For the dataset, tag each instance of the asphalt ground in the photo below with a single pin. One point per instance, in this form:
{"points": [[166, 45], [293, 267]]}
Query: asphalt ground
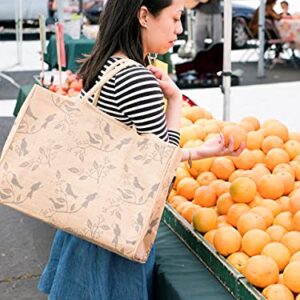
{"points": [[24, 246]]}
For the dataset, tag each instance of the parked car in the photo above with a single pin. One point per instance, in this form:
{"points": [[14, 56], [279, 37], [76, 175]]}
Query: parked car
{"points": [[241, 16]]}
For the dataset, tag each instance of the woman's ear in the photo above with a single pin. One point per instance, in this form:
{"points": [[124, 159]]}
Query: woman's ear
{"points": [[143, 15]]}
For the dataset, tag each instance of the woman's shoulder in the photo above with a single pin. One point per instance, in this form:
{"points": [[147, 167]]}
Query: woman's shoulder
{"points": [[137, 71]]}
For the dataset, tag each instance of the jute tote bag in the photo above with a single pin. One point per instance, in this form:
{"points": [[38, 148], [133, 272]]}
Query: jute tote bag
{"points": [[72, 166]]}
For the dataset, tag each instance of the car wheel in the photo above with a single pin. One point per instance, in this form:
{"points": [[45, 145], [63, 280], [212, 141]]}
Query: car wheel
{"points": [[239, 33]]}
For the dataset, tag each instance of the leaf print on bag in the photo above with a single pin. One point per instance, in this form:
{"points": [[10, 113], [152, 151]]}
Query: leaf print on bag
{"points": [[15, 181], [152, 153], [96, 172], [21, 150], [70, 111], [152, 225], [117, 233], [114, 209], [46, 155], [153, 190], [139, 223], [144, 145], [30, 114], [96, 229]]}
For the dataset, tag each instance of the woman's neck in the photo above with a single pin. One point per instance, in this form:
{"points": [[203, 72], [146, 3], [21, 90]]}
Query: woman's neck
{"points": [[120, 54]]}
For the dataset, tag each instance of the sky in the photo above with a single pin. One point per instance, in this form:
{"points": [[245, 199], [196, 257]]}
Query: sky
{"points": [[294, 5]]}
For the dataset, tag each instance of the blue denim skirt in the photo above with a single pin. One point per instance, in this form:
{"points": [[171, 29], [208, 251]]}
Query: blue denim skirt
{"points": [[79, 270]]}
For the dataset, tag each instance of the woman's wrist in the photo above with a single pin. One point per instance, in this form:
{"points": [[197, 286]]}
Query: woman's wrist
{"points": [[192, 154], [175, 98]]}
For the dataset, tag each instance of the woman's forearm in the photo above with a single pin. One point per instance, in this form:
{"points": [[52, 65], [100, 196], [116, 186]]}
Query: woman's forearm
{"points": [[193, 154]]}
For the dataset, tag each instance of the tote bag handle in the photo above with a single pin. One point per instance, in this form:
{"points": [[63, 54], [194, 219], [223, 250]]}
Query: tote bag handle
{"points": [[109, 73]]}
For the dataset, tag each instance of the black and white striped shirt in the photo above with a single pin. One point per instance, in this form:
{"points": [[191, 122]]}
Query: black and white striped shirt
{"points": [[133, 97]]}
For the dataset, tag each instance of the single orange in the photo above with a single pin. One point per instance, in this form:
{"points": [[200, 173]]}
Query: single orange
{"points": [[205, 196], [254, 241], [278, 252], [222, 167], [249, 221], [270, 186], [205, 178], [245, 160], [261, 271], [276, 232], [238, 260], [235, 211], [227, 240], [242, 190], [291, 276], [277, 292], [271, 142], [186, 187], [204, 219], [276, 156]]}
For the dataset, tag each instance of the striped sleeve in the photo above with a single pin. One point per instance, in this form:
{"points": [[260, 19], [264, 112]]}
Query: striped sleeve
{"points": [[140, 98], [174, 137]]}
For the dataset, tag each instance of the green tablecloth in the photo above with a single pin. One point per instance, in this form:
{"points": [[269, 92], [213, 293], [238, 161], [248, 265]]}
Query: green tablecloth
{"points": [[23, 92], [179, 274], [75, 49]]}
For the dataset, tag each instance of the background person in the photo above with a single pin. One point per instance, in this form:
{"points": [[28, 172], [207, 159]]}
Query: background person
{"points": [[208, 23], [285, 10], [271, 32]]}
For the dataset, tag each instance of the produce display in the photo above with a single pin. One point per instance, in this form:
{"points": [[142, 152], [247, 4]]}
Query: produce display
{"points": [[247, 207], [71, 84]]}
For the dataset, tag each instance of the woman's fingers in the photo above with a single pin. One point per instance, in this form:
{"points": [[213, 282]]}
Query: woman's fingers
{"points": [[231, 144], [222, 139], [158, 73], [241, 148]]}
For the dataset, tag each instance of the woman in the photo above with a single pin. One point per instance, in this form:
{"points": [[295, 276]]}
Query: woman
{"points": [[79, 270]]}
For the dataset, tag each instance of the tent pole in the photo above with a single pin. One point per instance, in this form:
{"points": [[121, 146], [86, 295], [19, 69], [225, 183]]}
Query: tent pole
{"points": [[261, 36], [227, 59], [19, 29]]}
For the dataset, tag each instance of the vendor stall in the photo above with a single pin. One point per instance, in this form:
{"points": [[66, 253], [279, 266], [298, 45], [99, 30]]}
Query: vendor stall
{"points": [[75, 49]]}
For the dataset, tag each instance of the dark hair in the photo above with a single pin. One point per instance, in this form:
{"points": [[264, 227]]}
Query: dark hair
{"points": [[284, 2], [270, 2], [119, 30]]}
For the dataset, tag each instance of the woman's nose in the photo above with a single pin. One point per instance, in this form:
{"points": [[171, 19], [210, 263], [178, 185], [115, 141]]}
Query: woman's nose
{"points": [[179, 28]]}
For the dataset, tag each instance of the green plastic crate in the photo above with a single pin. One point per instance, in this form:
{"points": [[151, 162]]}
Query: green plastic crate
{"points": [[233, 280]]}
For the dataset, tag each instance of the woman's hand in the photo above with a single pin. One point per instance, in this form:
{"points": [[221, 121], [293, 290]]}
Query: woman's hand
{"points": [[216, 147], [167, 85]]}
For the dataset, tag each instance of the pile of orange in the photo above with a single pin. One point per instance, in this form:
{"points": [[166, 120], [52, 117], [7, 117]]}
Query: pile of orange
{"points": [[247, 207]]}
